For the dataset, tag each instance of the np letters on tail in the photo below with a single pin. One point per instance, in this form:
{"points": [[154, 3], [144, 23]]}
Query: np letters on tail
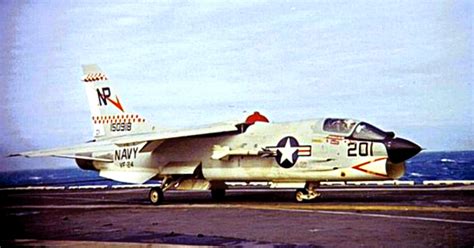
{"points": [[104, 96]]}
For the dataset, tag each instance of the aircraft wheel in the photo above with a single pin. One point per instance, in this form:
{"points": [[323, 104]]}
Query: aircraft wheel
{"points": [[156, 196], [218, 194], [300, 195]]}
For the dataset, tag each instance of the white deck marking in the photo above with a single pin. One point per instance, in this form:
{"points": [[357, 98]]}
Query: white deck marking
{"points": [[75, 243], [326, 186], [237, 206], [397, 217]]}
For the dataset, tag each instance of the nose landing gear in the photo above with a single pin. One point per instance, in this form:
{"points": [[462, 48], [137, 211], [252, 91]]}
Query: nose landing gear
{"points": [[308, 193]]}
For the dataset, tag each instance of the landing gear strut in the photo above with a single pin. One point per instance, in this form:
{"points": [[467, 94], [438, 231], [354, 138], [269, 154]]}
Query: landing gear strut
{"points": [[156, 193], [218, 194], [308, 193]]}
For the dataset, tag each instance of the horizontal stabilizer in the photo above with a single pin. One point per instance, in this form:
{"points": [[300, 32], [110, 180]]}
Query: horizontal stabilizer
{"points": [[106, 160], [129, 175]]}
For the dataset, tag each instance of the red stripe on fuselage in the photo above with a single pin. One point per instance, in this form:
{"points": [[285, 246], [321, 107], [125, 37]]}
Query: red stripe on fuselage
{"points": [[358, 167]]}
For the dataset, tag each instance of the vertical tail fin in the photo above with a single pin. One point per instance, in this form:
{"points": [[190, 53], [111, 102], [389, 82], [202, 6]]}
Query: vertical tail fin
{"points": [[109, 117]]}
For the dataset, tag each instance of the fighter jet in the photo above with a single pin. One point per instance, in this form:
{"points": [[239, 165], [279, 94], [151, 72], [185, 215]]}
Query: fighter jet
{"points": [[299, 155]]}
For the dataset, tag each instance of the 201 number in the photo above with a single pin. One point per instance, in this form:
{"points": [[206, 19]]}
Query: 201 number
{"points": [[362, 149]]}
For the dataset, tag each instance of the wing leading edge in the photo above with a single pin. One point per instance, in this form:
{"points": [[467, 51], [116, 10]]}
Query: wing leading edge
{"points": [[78, 151]]}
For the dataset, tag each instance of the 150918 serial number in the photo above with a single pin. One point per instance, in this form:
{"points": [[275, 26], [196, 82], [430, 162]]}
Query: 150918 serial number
{"points": [[121, 127]]}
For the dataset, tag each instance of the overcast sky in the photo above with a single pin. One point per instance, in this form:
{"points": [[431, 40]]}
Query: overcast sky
{"points": [[404, 66]]}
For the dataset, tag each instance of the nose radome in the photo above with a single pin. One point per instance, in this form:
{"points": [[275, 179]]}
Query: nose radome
{"points": [[400, 150]]}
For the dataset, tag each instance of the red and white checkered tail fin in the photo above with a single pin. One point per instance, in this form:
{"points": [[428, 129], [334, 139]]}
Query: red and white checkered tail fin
{"points": [[109, 116]]}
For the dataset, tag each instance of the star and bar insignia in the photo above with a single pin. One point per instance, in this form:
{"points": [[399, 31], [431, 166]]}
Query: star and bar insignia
{"points": [[288, 150]]}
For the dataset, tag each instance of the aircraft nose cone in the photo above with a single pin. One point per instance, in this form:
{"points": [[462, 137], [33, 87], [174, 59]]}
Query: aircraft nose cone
{"points": [[400, 150]]}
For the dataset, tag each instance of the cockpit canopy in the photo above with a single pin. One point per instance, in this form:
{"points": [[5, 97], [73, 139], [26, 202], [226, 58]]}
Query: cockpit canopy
{"points": [[342, 126], [362, 130], [365, 131]]}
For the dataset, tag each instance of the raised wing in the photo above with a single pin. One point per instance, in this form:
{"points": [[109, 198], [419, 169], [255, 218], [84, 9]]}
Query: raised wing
{"points": [[155, 139], [71, 151], [78, 151]]}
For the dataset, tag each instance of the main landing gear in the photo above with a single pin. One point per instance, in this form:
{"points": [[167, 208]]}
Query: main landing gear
{"points": [[156, 193], [218, 188], [218, 194], [308, 193], [156, 197]]}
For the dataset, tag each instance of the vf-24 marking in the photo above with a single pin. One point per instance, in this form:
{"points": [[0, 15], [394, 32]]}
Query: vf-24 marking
{"points": [[125, 157]]}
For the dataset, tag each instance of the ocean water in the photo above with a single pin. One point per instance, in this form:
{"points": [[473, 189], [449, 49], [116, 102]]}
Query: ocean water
{"points": [[457, 165]]}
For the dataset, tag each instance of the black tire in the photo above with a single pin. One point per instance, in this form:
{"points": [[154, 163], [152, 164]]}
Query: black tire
{"points": [[218, 194], [298, 194], [156, 196]]}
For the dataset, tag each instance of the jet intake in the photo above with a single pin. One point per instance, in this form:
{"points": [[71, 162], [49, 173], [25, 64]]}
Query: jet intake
{"points": [[395, 171]]}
